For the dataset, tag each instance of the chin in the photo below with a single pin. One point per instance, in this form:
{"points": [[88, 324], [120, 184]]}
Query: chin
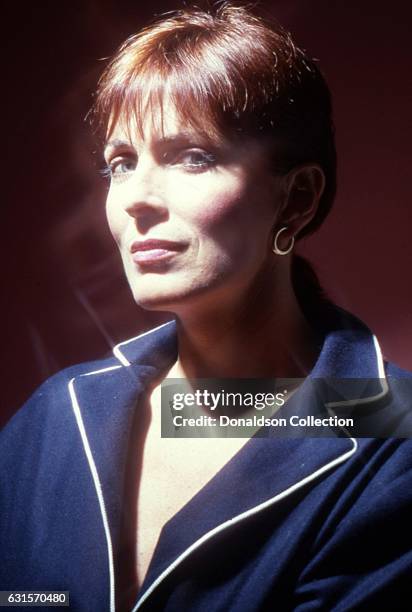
{"points": [[156, 298], [154, 304], [177, 293], [183, 301]]}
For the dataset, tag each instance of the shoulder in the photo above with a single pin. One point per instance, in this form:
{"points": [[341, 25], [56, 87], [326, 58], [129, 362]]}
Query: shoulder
{"points": [[399, 382], [51, 404], [51, 393], [395, 371]]}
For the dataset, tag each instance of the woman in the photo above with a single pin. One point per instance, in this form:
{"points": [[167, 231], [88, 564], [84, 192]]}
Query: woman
{"points": [[221, 155]]}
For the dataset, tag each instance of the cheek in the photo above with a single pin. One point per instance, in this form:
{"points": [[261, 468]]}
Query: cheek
{"points": [[233, 215], [215, 203]]}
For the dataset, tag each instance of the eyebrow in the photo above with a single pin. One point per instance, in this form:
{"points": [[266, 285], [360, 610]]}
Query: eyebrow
{"points": [[116, 142], [184, 137]]}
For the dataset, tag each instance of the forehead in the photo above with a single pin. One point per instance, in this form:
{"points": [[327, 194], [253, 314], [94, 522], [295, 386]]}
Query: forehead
{"points": [[161, 122]]}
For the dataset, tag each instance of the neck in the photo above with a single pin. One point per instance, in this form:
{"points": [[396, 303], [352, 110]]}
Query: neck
{"points": [[263, 334]]}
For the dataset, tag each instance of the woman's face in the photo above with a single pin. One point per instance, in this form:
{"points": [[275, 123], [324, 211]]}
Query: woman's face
{"points": [[193, 220]]}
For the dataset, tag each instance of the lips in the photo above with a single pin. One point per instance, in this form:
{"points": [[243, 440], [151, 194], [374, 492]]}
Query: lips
{"points": [[145, 252]]}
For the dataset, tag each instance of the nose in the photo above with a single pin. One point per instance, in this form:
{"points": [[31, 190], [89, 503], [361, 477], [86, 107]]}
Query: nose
{"points": [[143, 193]]}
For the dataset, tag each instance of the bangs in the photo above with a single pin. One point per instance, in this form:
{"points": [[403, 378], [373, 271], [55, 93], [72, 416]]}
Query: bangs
{"points": [[204, 98], [148, 96]]}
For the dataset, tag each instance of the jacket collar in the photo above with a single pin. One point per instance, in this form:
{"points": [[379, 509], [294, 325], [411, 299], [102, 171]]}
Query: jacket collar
{"points": [[350, 366], [104, 403]]}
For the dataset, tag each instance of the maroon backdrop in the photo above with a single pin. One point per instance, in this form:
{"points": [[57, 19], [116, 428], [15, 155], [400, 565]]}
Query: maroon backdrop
{"points": [[65, 299]]}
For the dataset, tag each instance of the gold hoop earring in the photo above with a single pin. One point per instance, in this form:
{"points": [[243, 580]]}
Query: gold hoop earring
{"points": [[275, 247]]}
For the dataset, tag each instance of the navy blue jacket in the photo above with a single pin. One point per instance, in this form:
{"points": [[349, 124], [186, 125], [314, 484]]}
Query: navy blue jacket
{"points": [[288, 524]]}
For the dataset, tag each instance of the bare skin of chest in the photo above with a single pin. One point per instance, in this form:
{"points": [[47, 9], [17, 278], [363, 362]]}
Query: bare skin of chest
{"points": [[172, 472]]}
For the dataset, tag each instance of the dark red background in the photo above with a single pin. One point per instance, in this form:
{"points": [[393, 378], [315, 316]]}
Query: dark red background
{"points": [[64, 296]]}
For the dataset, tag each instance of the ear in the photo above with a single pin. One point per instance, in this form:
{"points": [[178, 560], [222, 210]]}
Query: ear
{"points": [[303, 187]]}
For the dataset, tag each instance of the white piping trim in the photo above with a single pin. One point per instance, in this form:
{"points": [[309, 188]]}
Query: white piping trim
{"points": [[109, 369], [97, 485], [96, 480], [120, 356], [240, 517], [381, 365], [116, 349], [382, 380]]}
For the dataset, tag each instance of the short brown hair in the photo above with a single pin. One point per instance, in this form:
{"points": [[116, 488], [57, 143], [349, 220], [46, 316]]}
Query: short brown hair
{"points": [[229, 71]]}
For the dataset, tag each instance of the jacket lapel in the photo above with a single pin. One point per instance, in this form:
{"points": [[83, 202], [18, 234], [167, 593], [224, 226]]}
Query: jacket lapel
{"points": [[105, 402], [263, 473]]}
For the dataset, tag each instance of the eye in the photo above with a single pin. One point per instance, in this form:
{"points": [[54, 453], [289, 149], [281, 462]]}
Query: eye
{"points": [[119, 167], [194, 159]]}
